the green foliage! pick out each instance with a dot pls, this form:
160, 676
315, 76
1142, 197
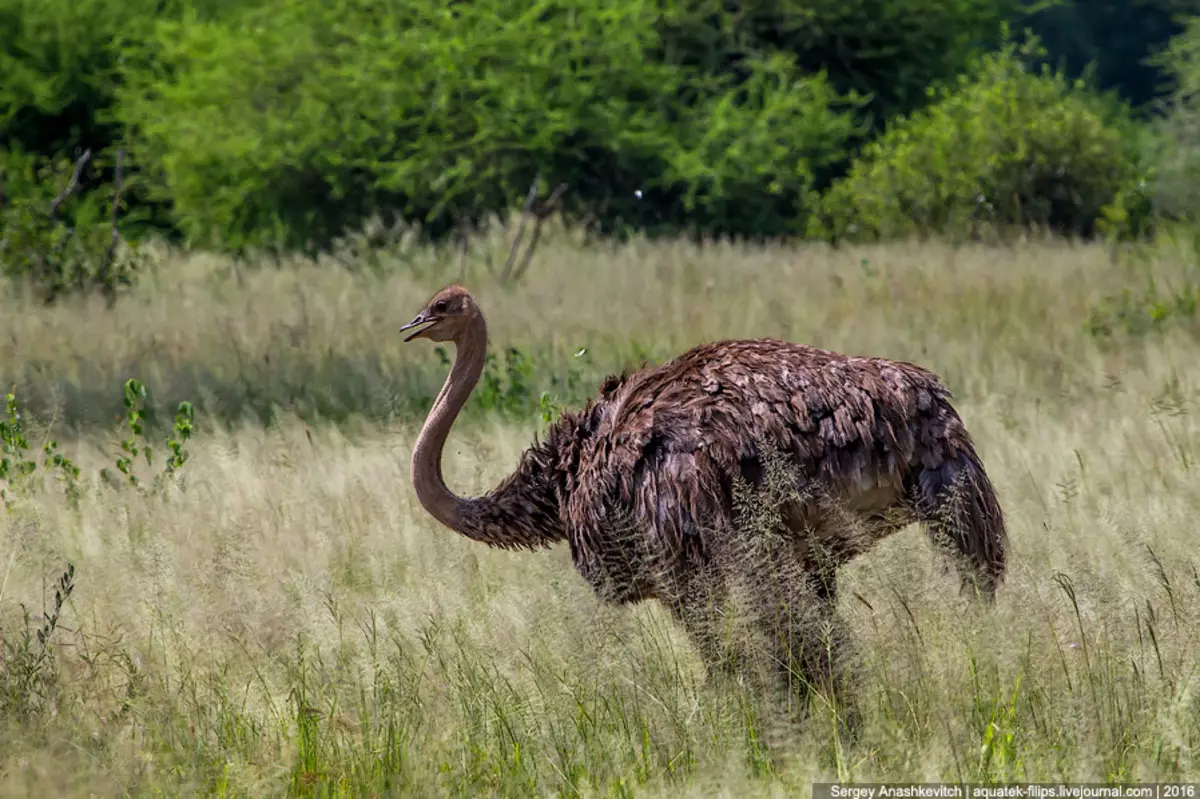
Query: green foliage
28, 671
1112, 43
508, 388
136, 443
1005, 146
135, 402
569, 384
62, 62
183, 428
58, 236
1156, 305
284, 127
888, 50
1139, 313
17, 467
253, 125
59, 59
751, 158
1173, 146
15, 464
1130, 215
292, 128
68, 472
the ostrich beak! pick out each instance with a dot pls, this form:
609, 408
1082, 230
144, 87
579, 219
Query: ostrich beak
416, 322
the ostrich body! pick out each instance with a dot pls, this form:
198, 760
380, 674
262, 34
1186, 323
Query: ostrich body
641, 482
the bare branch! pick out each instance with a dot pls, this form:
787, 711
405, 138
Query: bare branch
553, 199
52, 217
72, 184
463, 234
119, 186
110, 252
543, 214
526, 212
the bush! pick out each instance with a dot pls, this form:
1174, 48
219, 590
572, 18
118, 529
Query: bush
889, 51
295, 126
1173, 145
58, 59
750, 158
58, 230
286, 125
1003, 147
1110, 41
61, 62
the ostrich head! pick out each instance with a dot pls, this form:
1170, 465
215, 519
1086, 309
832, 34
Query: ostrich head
445, 317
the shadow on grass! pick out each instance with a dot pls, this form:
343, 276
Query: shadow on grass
313, 386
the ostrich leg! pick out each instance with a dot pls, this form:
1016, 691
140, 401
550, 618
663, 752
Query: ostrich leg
698, 601
810, 645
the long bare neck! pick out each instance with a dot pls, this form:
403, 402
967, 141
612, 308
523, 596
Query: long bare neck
442, 503
520, 513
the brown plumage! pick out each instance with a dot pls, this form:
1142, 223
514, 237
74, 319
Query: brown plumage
641, 482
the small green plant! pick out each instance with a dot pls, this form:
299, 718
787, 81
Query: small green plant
68, 472
185, 416
1138, 314
508, 387
505, 388
135, 443
548, 408
134, 400
27, 668
548, 405
15, 463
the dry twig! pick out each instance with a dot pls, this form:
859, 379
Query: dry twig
513, 271
72, 184
111, 252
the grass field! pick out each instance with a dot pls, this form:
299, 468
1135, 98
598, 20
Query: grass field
290, 621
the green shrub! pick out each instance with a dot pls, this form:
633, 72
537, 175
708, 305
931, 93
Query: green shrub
61, 63
287, 125
886, 50
751, 157
295, 126
59, 59
1003, 147
1173, 147
60, 232
1110, 41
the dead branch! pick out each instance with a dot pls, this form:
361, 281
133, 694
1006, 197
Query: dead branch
463, 233
539, 214
543, 214
466, 229
526, 212
111, 252
72, 184
52, 217
119, 186
513, 269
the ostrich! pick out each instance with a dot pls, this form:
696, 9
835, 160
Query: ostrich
642, 482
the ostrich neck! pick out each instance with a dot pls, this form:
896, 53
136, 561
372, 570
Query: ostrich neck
442, 503
522, 512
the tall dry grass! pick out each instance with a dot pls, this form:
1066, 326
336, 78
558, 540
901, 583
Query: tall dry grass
292, 622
